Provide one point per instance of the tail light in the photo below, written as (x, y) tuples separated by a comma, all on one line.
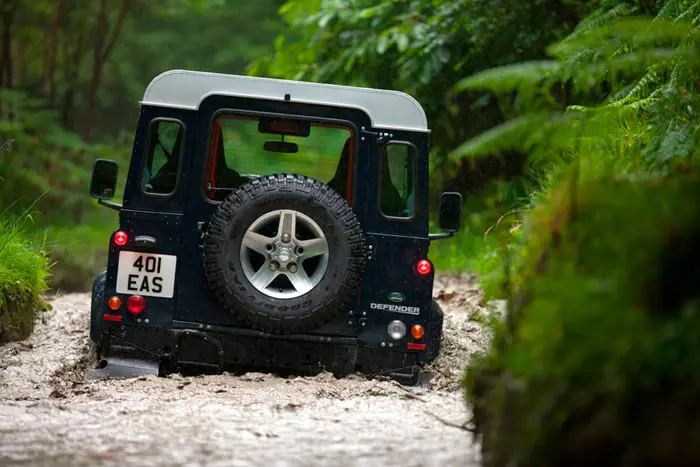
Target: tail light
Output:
[(417, 331), (136, 304), (424, 267), (114, 303), (121, 238)]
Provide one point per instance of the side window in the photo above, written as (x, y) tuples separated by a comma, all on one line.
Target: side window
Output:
[(160, 170), (397, 181)]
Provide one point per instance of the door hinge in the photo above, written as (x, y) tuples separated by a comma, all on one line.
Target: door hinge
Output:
[(379, 137)]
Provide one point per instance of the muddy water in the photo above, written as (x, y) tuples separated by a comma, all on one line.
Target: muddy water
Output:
[(50, 415)]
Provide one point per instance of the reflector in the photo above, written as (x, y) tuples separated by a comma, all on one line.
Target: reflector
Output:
[(115, 318), (414, 346)]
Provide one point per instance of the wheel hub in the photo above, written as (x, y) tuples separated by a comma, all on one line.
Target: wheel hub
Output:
[(284, 253)]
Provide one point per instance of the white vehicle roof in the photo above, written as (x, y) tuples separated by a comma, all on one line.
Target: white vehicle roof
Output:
[(181, 89)]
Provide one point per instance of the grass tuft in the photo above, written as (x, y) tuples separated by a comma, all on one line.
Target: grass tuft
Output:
[(24, 271)]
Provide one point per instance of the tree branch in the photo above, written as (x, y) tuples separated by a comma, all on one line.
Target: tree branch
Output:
[(117, 30)]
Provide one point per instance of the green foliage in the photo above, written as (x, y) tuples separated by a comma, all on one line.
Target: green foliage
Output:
[(424, 48), (78, 251), (600, 343), (651, 68), (37, 149), (54, 43), (43, 161), (594, 363), (24, 270), (644, 124), (419, 47), (54, 47)]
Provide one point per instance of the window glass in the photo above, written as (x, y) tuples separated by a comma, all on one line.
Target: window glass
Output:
[(244, 148), (397, 181), (162, 157)]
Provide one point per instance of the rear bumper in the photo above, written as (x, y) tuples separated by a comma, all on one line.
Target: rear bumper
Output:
[(192, 350)]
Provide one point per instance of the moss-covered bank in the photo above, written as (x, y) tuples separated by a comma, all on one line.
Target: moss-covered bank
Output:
[(598, 361), (24, 269)]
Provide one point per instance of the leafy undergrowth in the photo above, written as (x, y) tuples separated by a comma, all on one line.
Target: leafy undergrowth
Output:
[(24, 269), (48, 167), (597, 361), (78, 253), (489, 229)]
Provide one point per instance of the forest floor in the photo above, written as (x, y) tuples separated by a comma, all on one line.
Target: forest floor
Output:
[(50, 415)]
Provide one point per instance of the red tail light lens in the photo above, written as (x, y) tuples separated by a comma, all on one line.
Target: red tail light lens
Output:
[(136, 304), (424, 267), (120, 238)]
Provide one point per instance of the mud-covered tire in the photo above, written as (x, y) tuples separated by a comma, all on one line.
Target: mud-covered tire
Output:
[(435, 339), (222, 245), (96, 307)]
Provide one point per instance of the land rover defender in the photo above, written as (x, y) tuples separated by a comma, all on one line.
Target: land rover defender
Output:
[(270, 225)]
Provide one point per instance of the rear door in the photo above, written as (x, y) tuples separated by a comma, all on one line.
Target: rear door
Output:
[(397, 236), (149, 262)]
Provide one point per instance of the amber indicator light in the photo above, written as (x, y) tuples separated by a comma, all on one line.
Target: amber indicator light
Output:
[(114, 303), (417, 331)]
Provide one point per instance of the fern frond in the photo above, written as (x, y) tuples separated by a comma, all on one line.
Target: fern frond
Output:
[(621, 92), (580, 108), (635, 62), (670, 10), (600, 18), (521, 133), (636, 33), (641, 87), (510, 77), (643, 104)]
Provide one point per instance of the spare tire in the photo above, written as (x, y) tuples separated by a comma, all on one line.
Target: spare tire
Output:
[(284, 253)]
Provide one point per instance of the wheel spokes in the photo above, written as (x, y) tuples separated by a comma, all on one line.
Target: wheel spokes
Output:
[(264, 276), (284, 254), (314, 247), (257, 242), (300, 281), (287, 225)]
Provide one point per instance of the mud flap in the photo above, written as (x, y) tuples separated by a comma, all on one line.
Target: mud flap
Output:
[(116, 367)]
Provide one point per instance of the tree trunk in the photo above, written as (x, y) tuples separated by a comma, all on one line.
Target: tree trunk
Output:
[(71, 75), (7, 21), (100, 55), (48, 80)]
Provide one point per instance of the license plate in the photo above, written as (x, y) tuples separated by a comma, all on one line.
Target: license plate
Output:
[(146, 274)]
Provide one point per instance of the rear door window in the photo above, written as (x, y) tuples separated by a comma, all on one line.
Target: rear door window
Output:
[(244, 148), (160, 171), (397, 180)]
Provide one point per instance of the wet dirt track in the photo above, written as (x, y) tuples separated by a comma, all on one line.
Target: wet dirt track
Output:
[(50, 415)]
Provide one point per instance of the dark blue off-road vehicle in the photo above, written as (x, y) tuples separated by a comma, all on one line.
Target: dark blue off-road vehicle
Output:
[(270, 225)]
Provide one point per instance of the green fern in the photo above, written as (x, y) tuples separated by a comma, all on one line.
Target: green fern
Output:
[(507, 78), (602, 17), (630, 33)]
